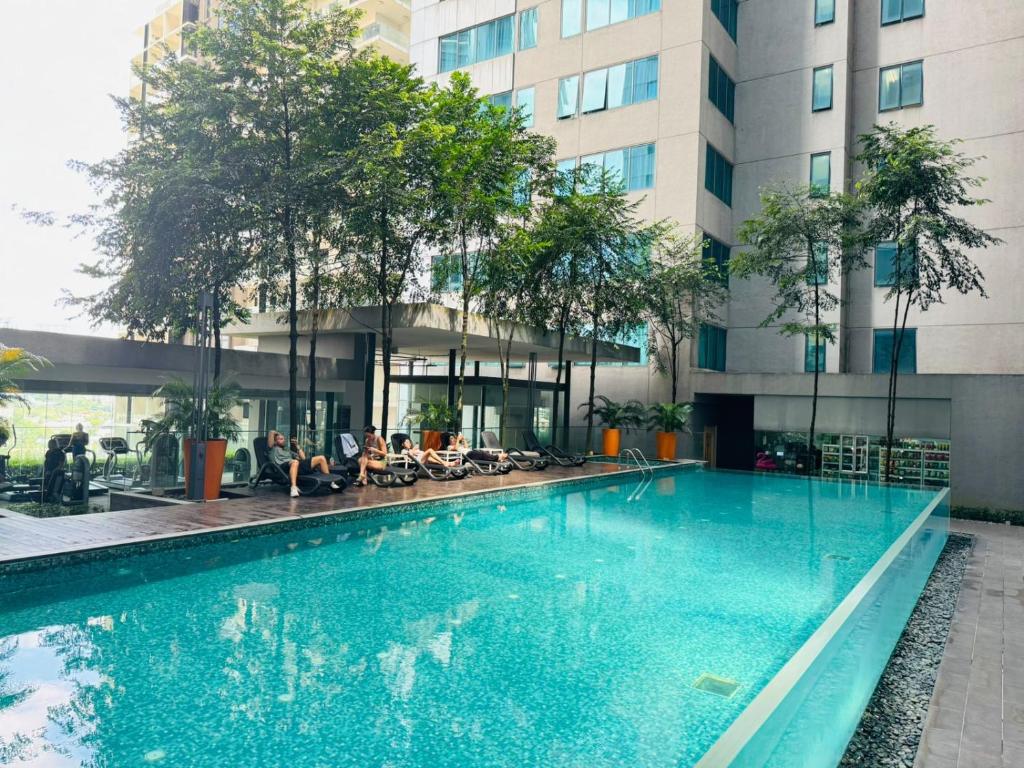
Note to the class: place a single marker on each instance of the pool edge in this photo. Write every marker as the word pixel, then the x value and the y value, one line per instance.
pixel 730 745
pixel 134 546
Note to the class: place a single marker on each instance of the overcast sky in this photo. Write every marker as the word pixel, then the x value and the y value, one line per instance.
pixel 60 60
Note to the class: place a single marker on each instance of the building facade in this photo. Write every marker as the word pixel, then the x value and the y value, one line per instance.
pixel 383 24
pixel 702 103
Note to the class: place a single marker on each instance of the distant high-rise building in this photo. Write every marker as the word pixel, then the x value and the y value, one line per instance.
pixel 384 24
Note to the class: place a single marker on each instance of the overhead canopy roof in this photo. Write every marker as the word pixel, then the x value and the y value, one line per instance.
pixel 430 330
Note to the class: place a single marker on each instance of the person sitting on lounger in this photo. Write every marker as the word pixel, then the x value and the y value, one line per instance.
pixel 375 453
pixel 428 456
pixel 294 462
pixel 459 443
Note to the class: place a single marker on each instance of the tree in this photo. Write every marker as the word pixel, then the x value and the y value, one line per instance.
pixel 682 292
pixel 15 362
pixel 916 185
pixel 599 249
pixel 276 63
pixel 479 164
pixel 801 241
pixel 388 176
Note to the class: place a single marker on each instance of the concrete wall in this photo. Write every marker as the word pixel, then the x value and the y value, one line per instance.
pixel 981 415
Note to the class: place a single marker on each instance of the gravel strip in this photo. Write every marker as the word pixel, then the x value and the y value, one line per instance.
pixel 891 727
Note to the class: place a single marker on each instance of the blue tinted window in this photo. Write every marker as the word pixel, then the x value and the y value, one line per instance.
pixel 900 86
pixel 601 13
pixel 821 174
pixel 726 11
pixel 814 353
pixel 528 29
pixel 821 96
pixel 711 347
pixel 885 264
pixel 718 175
pixel 883 351
pixel 895 11
pixel 501 99
pixel 524 100
pixel 824 11
pixel 716 257
pixel 619 86
pixel 721 89
pixel 817 264
pixel 479 43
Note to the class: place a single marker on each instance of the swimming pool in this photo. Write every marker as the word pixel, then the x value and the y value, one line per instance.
pixel 565 627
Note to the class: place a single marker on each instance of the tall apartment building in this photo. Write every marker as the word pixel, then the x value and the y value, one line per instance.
pixel 384 24
pixel 701 103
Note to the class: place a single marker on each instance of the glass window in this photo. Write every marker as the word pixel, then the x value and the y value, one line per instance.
pixel 480 43
pixel 528 29
pixel 594 87
pixel 566 165
pixel 620 85
pixel 711 347
pixel 901 86
pixel 568 94
pixel 716 257
pixel 821 174
pixel 572 12
pixel 645 79
pixel 597 14
pixel 824 11
pixel 601 13
pixel 911 85
pixel 894 11
pixel 907 362
pixel 726 11
pixel 814 353
pixel 886 266
pixel 817 264
pixel 524 100
pixel 501 99
pixel 718 175
pixel 721 89
pixel 821 97
pixel 640 167
pixel 446 274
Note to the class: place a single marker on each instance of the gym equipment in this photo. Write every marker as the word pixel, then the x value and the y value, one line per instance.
pixel 240 465
pixel 115 448
pixel 5 458
pixel 68 485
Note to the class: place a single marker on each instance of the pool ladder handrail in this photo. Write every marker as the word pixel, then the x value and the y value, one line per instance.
pixel 646 470
pixel 637 456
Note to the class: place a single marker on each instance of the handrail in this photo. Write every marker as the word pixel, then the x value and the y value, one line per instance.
pixel 638 457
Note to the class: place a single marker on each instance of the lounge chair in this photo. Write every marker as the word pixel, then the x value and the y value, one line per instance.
pixel 347 451
pixel 528 461
pixel 554 453
pixel 478 464
pixel 428 470
pixel 311 484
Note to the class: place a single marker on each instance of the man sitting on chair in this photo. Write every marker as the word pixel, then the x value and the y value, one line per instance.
pixel 294 462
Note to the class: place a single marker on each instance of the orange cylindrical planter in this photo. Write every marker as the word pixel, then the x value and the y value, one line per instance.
pixel 665 445
pixel 216 450
pixel 431 439
pixel 611 439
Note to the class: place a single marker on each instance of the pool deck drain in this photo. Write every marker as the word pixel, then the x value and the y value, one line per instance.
pixel 24 538
pixel 976 715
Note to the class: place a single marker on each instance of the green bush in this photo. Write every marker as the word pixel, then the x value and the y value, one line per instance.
pixel 987 515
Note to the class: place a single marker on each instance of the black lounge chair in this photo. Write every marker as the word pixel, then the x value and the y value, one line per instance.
pixel 480 461
pixel 428 470
pixel 528 461
pixel 312 484
pixel 554 453
pixel 347 452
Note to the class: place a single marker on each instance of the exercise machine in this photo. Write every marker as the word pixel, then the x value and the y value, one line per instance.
pixel 113 472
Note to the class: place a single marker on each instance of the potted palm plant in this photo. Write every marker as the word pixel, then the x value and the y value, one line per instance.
pixel 667 419
pixel 615 416
pixel 221 425
pixel 434 417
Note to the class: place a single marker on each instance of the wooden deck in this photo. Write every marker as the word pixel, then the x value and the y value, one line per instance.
pixel 23 537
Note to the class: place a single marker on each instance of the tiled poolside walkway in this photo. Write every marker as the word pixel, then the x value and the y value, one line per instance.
pixel 23 537
pixel 976 717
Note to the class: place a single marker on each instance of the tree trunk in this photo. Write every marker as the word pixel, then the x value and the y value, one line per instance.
pixel 386 333
pixel 890 409
pixel 590 392
pixel 675 367
pixel 897 345
pixel 814 398
pixel 216 335
pixel 293 326
pixel 562 320
pixel 314 331
pixel 464 335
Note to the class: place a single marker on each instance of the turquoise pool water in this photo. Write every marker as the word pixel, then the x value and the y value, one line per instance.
pixel 563 630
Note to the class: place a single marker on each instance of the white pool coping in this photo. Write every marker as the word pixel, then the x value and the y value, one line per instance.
pixel 729 745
